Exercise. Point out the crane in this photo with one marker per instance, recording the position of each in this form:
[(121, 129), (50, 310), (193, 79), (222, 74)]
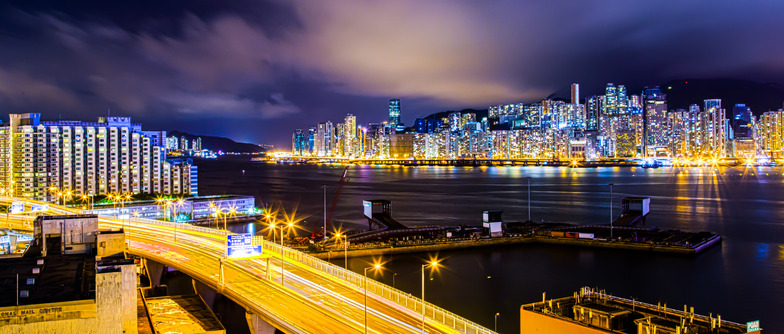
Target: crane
[(343, 179)]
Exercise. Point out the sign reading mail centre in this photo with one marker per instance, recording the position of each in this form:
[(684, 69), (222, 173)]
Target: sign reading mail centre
[(241, 246)]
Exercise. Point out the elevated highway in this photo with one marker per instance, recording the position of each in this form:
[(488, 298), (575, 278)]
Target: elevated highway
[(288, 289)]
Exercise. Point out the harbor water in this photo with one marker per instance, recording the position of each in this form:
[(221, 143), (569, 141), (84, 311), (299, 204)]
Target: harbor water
[(742, 279)]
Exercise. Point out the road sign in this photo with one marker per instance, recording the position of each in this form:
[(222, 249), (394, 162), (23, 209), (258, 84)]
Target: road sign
[(39, 207), (241, 246), (752, 326), (16, 207)]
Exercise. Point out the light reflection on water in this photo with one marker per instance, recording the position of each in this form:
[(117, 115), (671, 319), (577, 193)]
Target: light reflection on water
[(742, 280)]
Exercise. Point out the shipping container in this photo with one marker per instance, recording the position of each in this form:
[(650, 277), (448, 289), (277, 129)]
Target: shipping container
[(585, 235), (556, 234), (572, 234)]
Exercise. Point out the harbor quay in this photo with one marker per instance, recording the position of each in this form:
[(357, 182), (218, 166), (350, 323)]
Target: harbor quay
[(627, 232)]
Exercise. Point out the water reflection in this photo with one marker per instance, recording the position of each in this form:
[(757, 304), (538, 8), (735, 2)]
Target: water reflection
[(743, 204)]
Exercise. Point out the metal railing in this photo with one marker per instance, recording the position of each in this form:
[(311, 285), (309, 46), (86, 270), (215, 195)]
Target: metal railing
[(393, 295), (382, 290)]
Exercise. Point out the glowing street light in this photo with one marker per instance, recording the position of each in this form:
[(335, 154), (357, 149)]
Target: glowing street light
[(376, 266), (433, 264), (345, 248)]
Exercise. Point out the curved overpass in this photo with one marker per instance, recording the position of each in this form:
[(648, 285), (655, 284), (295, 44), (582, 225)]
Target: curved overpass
[(290, 290)]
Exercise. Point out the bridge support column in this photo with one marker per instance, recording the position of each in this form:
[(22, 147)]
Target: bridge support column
[(206, 293), (154, 271), (257, 325)]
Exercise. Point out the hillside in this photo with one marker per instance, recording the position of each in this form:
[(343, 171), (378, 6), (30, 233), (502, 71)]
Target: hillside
[(220, 143)]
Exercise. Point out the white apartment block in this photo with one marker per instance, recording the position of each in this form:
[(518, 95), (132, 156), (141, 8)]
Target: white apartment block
[(39, 158)]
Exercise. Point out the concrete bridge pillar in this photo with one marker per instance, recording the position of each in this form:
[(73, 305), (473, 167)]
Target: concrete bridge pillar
[(154, 271), (206, 293), (257, 325)]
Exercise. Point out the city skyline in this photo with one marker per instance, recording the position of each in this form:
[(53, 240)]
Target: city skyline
[(251, 71), (617, 124)]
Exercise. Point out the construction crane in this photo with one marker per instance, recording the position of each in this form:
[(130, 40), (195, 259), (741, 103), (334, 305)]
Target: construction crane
[(343, 179)]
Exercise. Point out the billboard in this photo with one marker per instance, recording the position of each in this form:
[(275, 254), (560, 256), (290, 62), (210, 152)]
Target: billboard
[(16, 207), (39, 207), (241, 246)]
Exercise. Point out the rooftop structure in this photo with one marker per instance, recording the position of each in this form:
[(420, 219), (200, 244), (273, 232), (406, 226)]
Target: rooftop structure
[(592, 311), (59, 285)]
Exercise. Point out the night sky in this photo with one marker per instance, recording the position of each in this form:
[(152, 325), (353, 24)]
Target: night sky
[(254, 71)]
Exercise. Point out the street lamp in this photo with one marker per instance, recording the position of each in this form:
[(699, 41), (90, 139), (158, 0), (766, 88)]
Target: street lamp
[(495, 324), (345, 248), (325, 212), (393, 279), (611, 213), (376, 266), (433, 264)]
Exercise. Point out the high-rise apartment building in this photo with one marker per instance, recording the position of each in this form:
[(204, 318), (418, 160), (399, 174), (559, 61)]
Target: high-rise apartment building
[(350, 135), (39, 159), (771, 126), (656, 138), (714, 129)]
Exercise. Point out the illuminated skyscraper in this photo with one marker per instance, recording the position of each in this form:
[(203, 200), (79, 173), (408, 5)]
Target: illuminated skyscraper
[(656, 138), (741, 121), (350, 136), (394, 112), (298, 142), (714, 129), (610, 100), (575, 93)]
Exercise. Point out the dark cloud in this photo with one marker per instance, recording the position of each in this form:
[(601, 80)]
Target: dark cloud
[(257, 70)]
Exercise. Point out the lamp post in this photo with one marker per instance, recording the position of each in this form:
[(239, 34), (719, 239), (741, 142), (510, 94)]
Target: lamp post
[(529, 198), (345, 248), (433, 264), (325, 211), (393, 279), (611, 213), (290, 225), (375, 266), (495, 323)]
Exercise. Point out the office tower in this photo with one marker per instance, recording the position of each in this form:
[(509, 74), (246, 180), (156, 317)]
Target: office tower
[(394, 112), (575, 93), (592, 113), (741, 121), (655, 112), (39, 159), (310, 147), (298, 142), (623, 100), (610, 100)]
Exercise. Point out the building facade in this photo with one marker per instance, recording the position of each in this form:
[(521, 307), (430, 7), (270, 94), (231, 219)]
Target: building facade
[(46, 159)]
